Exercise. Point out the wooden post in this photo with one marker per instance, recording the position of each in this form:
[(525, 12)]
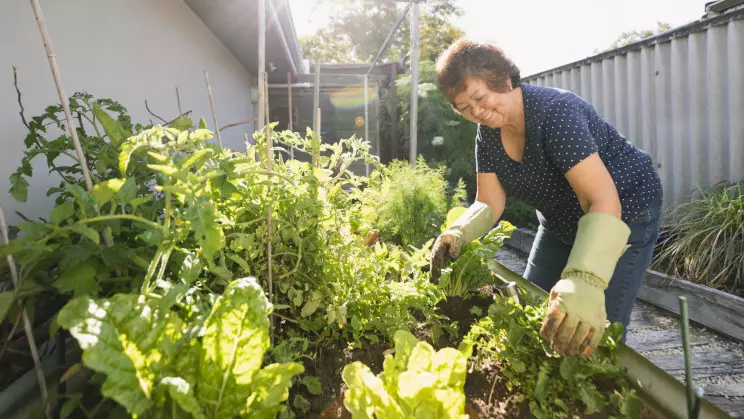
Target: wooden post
[(269, 246), (261, 63), (414, 81), (366, 118), (291, 114), (316, 99), (393, 113), (211, 104)]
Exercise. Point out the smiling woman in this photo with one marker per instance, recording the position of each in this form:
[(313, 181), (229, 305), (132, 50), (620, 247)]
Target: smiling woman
[(598, 196)]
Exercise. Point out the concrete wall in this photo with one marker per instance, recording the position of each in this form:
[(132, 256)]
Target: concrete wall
[(125, 50), (680, 97)]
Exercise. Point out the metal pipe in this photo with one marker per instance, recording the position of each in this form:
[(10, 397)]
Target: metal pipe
[(261, 62), (366, 119), (389, 37), (414, 81), (316, 99)]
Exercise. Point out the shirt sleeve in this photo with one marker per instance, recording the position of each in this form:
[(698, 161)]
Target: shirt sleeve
[(566, 134), (484, 153)]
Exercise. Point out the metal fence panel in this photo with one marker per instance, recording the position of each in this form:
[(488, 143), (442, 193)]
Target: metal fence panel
[(679, 97)]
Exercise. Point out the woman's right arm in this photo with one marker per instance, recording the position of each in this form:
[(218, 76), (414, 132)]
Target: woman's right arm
[(491, 192)]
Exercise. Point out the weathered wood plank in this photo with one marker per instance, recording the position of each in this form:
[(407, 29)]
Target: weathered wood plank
[(712, 308), (655, 340), (730, 389), (640, 320), (712, 363)]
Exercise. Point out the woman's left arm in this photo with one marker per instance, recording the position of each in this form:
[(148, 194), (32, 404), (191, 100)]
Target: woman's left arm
[(594, 186)]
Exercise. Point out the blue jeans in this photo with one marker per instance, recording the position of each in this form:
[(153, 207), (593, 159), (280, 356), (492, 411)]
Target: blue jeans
[(549, 256)]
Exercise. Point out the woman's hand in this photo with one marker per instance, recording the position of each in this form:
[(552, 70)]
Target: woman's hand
[(475, 222), (576, 317)]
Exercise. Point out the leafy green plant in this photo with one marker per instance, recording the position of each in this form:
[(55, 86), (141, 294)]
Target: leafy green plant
[(705, 241), (158, 363), (409, 204), (416, 382), (470, 271), (554, 386), (520, 214)]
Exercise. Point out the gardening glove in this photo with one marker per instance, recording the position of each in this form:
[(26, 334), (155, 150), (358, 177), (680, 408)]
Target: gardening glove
[(475, 222), (576, 318)]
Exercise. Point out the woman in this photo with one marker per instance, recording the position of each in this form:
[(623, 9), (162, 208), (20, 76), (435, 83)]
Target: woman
[(598, 197)]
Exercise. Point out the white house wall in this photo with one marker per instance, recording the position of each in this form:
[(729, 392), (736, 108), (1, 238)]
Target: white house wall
[(128, 51), (681, 100)]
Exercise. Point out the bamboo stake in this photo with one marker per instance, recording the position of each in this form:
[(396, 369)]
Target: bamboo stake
[(27, 326), (289, 99), (65, 103), (214, 113), (269, 156)]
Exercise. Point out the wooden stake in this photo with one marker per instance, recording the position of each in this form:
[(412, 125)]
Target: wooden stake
[(65, 103), (211, 104), (289, 99), (27, 326), (267, 130)]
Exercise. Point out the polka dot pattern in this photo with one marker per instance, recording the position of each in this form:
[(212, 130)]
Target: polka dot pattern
[(561, 130)]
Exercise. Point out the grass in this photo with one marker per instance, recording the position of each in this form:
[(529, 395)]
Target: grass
[(704, 239)]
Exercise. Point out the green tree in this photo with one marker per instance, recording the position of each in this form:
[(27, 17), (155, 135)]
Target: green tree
[(627, 38), (358, 29)]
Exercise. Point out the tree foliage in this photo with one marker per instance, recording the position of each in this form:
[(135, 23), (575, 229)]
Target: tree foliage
[(627, 38), (358, 29)]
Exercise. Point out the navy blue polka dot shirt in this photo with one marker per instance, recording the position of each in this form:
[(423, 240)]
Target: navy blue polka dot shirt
[(562, 129)]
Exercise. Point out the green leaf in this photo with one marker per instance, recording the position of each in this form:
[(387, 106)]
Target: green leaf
[(313, 384), (300, 403), (86, 231), (310, 307), (541, 388), (202, 124), (591, 397), (73, 400), (197, 159), (236, 338), (190, 269), (18, 187), (79, 279), (105, 191), (162, 168), (182, 392), (240, 261), (62, 212), (6, 301), (208, 232), (116, 133), (128, 193), (366, 394), (270, 388), (182, 123), (119, 338)]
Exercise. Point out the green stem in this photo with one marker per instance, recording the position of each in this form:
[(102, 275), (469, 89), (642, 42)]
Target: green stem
[(92, 122), (124, 217)]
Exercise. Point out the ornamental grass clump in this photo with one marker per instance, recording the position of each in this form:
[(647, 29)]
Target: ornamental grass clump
[(705, 241)]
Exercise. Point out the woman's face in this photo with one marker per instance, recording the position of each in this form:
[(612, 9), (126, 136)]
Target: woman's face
[(479, 104)]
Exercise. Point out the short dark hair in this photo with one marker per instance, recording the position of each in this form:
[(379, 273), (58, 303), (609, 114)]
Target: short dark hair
[(466, 58)]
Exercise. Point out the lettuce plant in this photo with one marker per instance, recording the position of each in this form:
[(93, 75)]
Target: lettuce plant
[(470, 271), (157, 364), (416, 382)]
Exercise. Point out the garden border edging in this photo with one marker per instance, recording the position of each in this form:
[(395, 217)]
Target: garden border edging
[(709, 307)]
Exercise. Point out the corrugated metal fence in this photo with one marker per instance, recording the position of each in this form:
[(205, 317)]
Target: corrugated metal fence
[(679, 96)]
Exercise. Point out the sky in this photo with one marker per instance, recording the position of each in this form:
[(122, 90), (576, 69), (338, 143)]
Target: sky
[(543, 34)]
